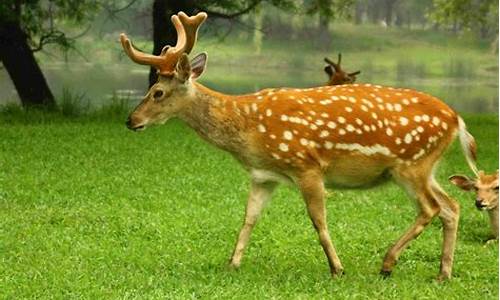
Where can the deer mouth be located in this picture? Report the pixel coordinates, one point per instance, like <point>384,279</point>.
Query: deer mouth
<point>133,127</point>
<point>138,128</point>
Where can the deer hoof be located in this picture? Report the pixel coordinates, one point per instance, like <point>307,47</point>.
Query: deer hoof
<point>232,266</point>
<point>338,273</point>
<point>385,273</point>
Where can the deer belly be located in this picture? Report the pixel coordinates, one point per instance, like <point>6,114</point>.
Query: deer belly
<point>355,173</point>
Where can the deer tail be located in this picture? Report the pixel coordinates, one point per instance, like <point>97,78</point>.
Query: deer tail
<point>468,144</point>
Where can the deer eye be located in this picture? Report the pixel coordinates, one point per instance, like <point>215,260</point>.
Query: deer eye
<point>158,94</point>
<point>496,189</point>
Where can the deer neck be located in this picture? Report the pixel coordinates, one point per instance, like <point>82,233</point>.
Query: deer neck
<point>208,113</point>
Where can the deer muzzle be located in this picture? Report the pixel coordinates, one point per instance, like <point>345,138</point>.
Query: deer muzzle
<point>134,123</point>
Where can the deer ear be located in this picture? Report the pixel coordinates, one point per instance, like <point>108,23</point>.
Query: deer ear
<point>462,182</point>
<point>329,70</point>
<point>183,68</point>
<point>198,65</point>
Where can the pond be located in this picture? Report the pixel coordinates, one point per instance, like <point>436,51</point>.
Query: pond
<point>97,84</point>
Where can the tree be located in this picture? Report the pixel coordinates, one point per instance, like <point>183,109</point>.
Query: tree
<point>480,16</point>
<point>165,34</point>
<point>27,27</point>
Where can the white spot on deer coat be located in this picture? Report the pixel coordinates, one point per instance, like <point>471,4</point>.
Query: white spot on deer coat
<point>319,122</point>
<point>254,107</point>
<point>287,135</point>
<point>324,133</point>
<point>403,121</point>
<point>283,147</point>
<point>435,121</point>
<point>261,128</point>
<point>408,138</point>
<point>366,150</point>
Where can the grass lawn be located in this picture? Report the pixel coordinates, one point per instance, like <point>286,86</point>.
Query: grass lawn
<point>91,210</point>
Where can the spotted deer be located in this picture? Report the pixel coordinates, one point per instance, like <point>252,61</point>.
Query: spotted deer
<point>485,186</point>
<point>337,76</point>
<point>346,135</point>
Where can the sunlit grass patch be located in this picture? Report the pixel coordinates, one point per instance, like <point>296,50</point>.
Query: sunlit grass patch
<point>92,210</point>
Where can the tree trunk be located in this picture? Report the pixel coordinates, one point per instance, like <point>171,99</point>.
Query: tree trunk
<point>389,11</point>
<point>163,30</point>
<point>358,12</point>
<point>20,63</point>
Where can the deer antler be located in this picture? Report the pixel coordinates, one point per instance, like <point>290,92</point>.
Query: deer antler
<point>336,66</point>
<point>187,29</point>
<point>340,76</point>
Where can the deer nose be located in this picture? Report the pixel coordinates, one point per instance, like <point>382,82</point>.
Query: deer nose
<point>479,203</point>
<point>128,123</point>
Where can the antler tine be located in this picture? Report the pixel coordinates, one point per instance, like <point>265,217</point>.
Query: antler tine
<point>339,59</point>
<point>191,25</point>
<point>138,56</point>
<point>186,27</point>
<point>354,73</point>
<point>334,65</point>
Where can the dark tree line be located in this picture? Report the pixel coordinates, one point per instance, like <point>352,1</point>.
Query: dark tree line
<point>27,26</point>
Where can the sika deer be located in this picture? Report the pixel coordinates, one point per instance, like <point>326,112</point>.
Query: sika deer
<point>336,75</point>
<point>347,135</point>
<point>485,187</point>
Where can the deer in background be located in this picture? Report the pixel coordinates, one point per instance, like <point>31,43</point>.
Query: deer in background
<point>485,186</point>
<point>346,135</point>
<point>336,75</point>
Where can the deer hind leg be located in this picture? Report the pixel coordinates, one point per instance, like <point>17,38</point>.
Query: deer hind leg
<point>449,215</point>
<point>259,195</point>
<point>428,208</point>
<point>312,189</point>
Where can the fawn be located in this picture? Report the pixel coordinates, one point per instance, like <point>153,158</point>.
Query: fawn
<point>485,186</point>
<point>345,135</point>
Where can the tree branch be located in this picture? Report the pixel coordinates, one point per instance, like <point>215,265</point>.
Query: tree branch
<point>216,14</point>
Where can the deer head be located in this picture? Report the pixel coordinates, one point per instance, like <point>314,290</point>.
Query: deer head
<point>173,88</point>
<point>336,75</point>
<point>485,186</point>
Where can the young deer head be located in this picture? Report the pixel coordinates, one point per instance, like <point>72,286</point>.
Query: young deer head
<point>485,187</point>
<point>336,75</point>
<point>346,135</point>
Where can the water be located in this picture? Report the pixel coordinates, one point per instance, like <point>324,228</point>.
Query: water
<point>98,84</point>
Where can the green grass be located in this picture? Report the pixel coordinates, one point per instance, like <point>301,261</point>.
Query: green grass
<point>91,210</point>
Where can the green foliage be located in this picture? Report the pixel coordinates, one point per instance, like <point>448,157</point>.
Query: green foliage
<point>470,14</point>
<point>42,21</point>
<point>91,210</point>
<point>72,105</point>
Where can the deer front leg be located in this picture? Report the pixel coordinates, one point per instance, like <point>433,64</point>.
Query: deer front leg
<point>311,186</point>
<point>493,214</point>
<point>259,194</point>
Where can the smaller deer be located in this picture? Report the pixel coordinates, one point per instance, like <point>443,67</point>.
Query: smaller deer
<point>486,188</point>
<point>336,74</point>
